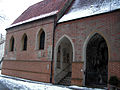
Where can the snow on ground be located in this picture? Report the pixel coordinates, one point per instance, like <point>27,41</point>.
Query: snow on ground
<point>14,83</point>
<point>24,85</point>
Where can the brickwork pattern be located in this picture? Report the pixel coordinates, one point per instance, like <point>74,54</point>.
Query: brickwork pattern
<point>30,64</point>
<point>114,69</point>
<point>107,25</point>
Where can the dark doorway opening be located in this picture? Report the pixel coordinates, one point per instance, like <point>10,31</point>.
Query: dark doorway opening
<point>96,73</point>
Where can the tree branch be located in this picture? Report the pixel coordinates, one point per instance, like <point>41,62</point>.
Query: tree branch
<point>1,17</point>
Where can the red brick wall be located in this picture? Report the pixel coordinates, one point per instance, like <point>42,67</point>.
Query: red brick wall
<point>77,73</point>
<point>107,25</point>
<point>27,64</point>
<point>28,69</point>
<point>114,68</point>
<point>31,31</point>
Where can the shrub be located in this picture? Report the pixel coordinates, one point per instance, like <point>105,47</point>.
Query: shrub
<point>113,80</point>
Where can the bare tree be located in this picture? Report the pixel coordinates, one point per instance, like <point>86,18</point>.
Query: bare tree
<point>2,17</point>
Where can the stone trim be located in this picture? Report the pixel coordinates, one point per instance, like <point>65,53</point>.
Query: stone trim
<point>30,27</point>
<point>25,71</point>
<point>37,39</point>
<point>114,61</point>
<point>79,62</point>
<point>26,61</point>
<point>77,79</point>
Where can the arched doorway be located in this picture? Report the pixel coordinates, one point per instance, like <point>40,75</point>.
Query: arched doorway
<point>96,65</point>
<point>63,61</point>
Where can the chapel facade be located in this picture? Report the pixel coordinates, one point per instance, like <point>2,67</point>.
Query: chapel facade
<point>62,42</point>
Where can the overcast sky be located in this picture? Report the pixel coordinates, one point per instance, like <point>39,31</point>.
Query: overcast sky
<point>11,9</point>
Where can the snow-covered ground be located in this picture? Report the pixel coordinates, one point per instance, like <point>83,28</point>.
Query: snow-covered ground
<point>22,84</point>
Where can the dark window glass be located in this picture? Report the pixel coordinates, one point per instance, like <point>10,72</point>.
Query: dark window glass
<point>25,43</point>
<point>42,40</point>
<point>12,44</point>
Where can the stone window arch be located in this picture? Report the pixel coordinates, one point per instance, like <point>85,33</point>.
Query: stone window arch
<point>41,40</point>
<point>12,42</point>
<point>24,42</point>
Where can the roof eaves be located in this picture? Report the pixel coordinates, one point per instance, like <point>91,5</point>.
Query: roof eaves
<point>87,16</point>
<point>77,11</point>
<point>33,19</point>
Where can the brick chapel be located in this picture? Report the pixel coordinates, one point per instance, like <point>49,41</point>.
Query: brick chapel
<point>68,42</point>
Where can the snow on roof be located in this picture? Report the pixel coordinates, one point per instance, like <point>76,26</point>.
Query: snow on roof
<point>34,18</point>
<point>84,8</point>
<point>39,10</point>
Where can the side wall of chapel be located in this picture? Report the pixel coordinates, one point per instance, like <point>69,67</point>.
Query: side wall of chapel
<point>31,64</point>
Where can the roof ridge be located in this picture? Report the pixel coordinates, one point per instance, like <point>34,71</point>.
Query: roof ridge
<point>39,10</point>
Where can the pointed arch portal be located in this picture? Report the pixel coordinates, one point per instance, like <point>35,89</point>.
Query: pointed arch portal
<point>96,64</point>
<point>63,61</point>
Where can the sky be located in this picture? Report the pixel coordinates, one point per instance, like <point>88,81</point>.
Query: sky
<point>11,10</point>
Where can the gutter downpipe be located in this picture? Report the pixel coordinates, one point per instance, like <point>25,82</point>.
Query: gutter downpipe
<point>55,24</point>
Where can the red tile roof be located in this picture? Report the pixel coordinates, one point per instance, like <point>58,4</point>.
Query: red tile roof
<point>44,7</point>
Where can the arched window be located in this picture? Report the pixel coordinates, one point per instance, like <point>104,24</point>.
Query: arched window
<point>24,42</point>
<point>41,40</point>
<point>12,41</point>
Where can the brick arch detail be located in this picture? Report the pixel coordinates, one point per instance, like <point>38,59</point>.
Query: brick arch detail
<point>58,43</point>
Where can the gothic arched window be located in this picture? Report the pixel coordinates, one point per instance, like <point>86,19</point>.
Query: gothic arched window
<point>42,40</point>
<point>12,41</point>
<point>24,42</point>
